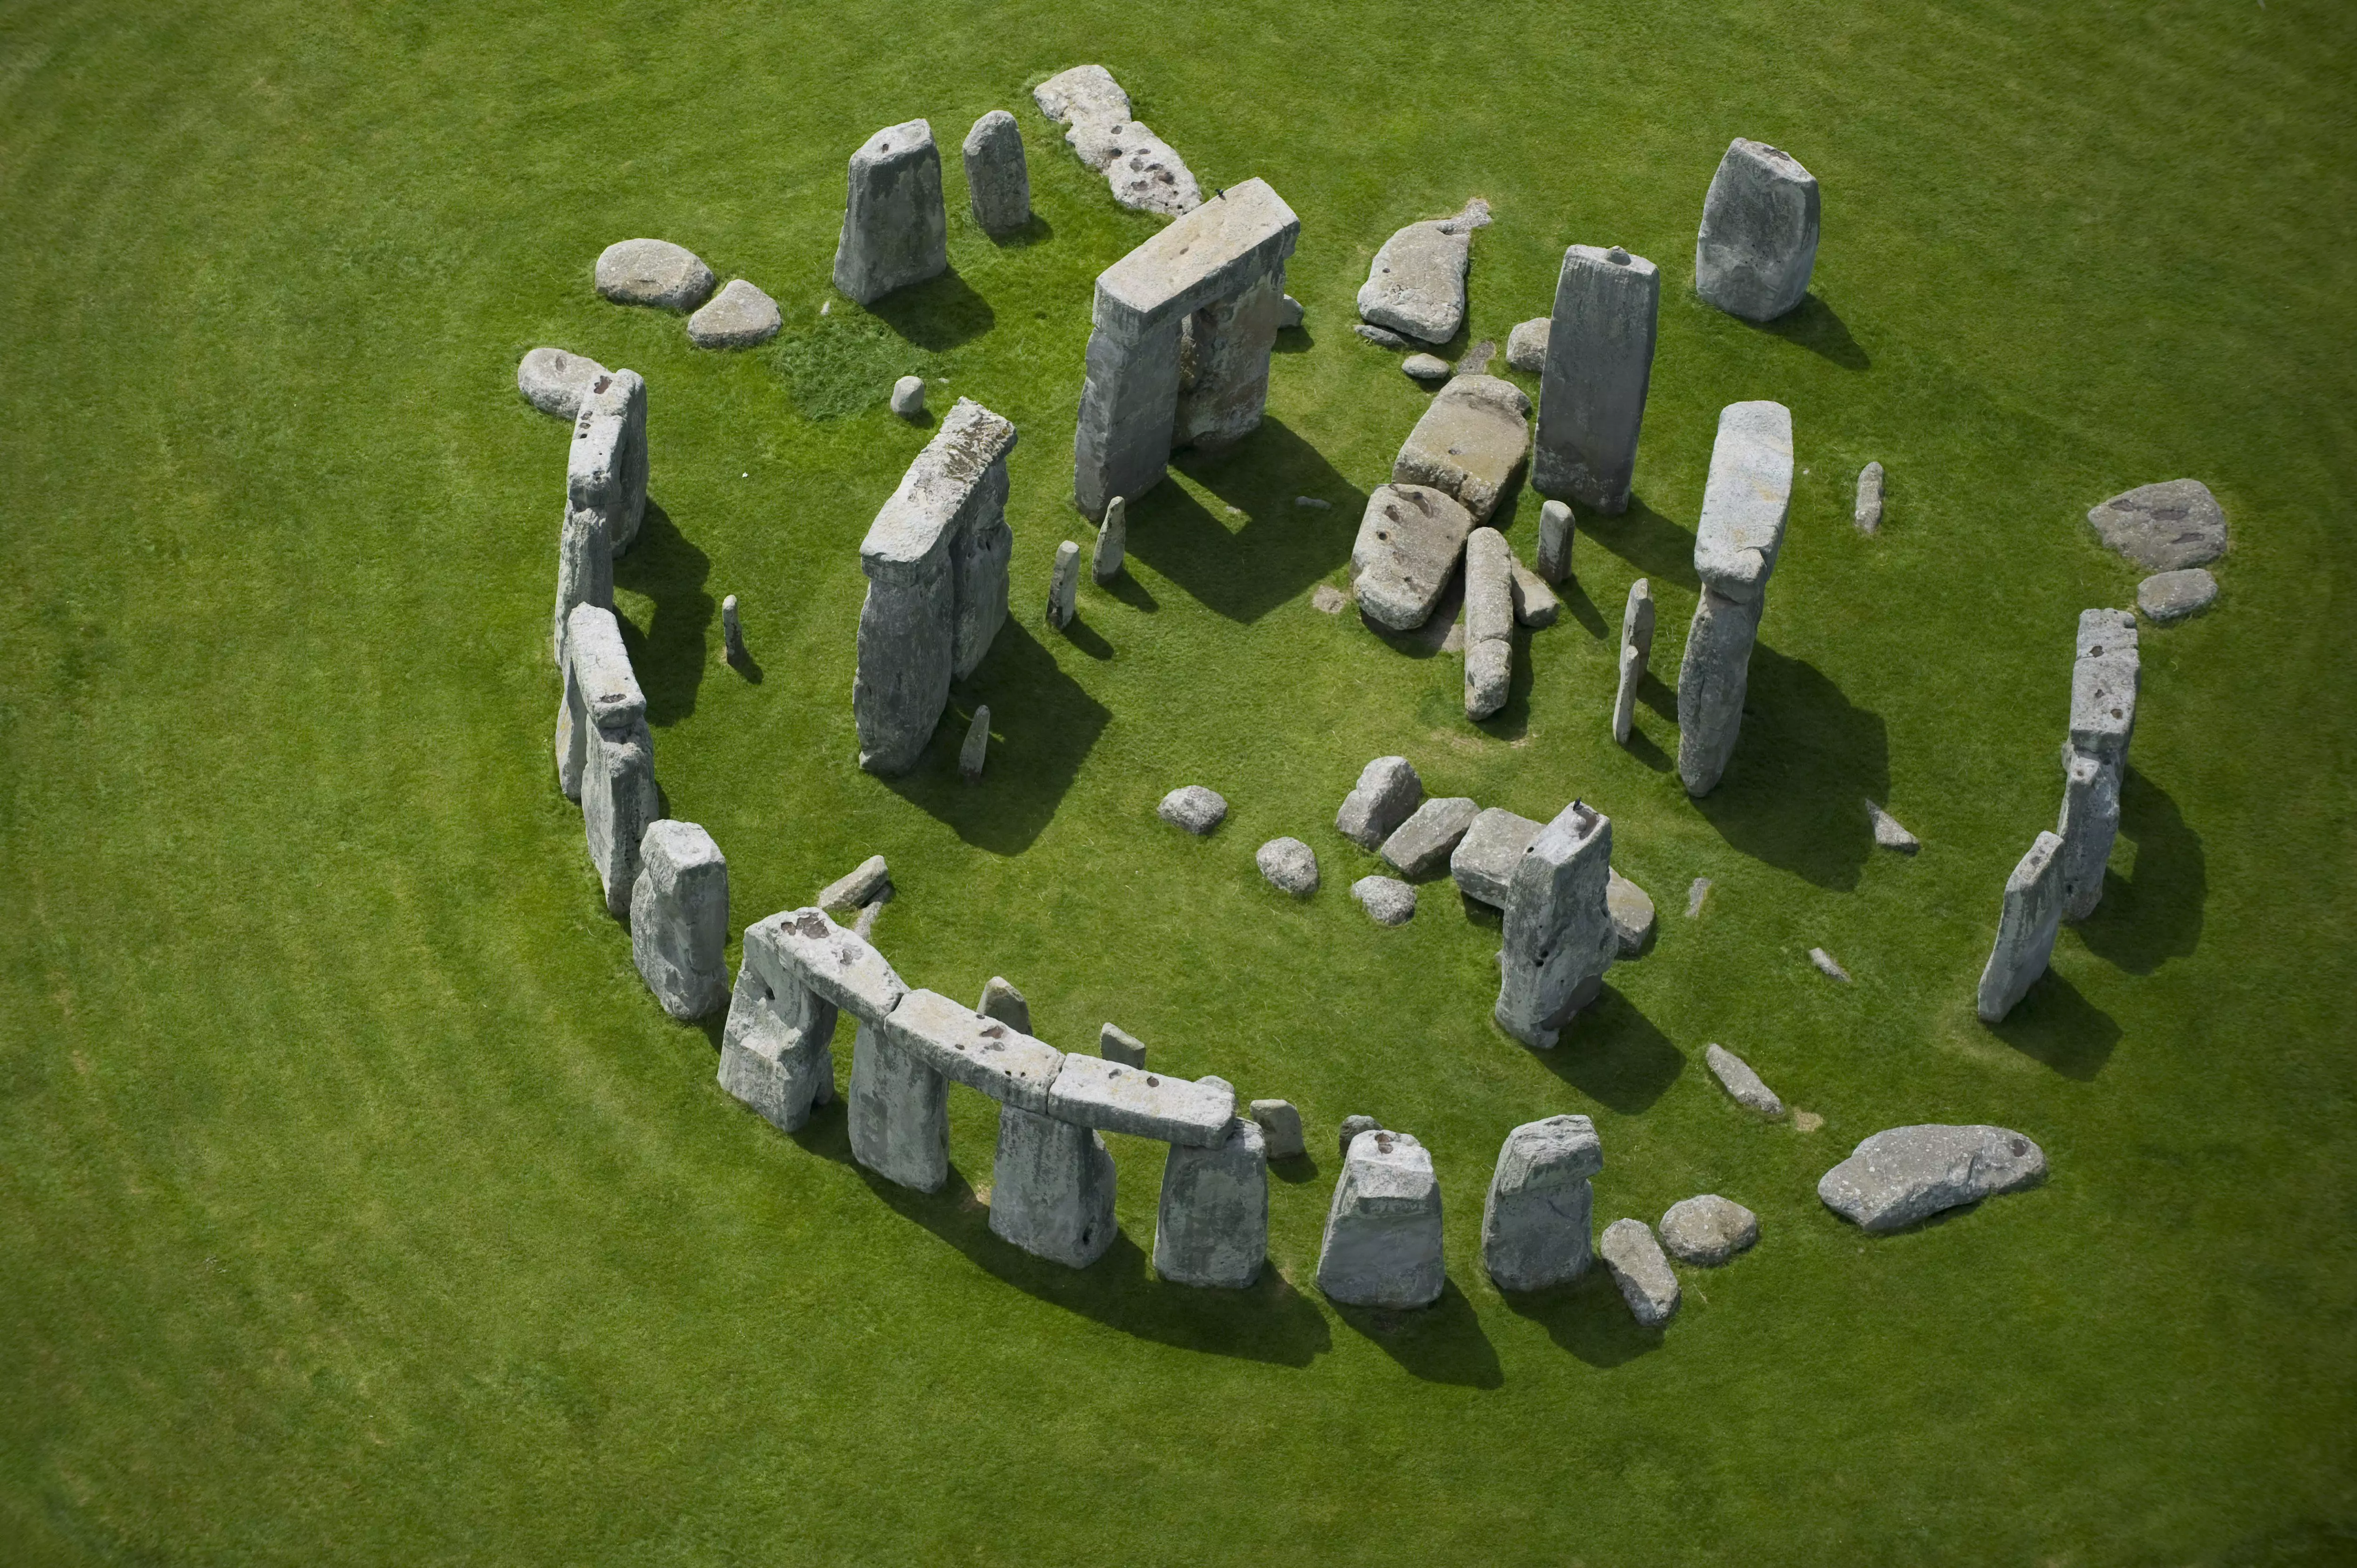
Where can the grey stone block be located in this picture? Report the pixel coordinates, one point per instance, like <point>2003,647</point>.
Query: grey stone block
<point>1888,833</point>
<point>1001,1001</point>
<point>1536,1221</point>
<point>1143,170</point>
<point>1631,909</point>
<point>1212,1227</point>
<point>1469,443</point>
<point>895,232</point>
<point>1351,1127</point>
<point>1624,696</point>
<point>1483,861</point>
<point>2164,527</point>
<point>1526,344</point>
<point>1534,603</point>
<point>1747,500</point>
<point>2169,596</point>
<point>1223,354</point>
<point>1643,1274</point>
<point>2025,932</point>
<point>618,799</point>
<point>584,569</point>
<point>1194,808</point>
<point>976,745</point>
<point>1280,1126</point>
<point>863,884</point>
<point>1712,679</point>
<point>1422,845</point>
<point>1118,1045</point>
<point>1557,536</point>
<point>776,1051</point>
<point>1558,937</point>
<point>1637,618</point>
<point>1906,1174</point>
<point>1599,364</point>
<point>1051,1188</point>
<point>1381,1246</point>
<point>1388,901</point>
<point>899,1113</point>
<point>1734,1076</point>
<point>1489,622</point>
<point>909,397</point>
<point>1424,368</point>
<point>965,1046</point>
<point>1290,865</point>
<point>605,468</point>
<point>1094,1092</point>
<point>600,689</point>
<point>653,271</point>
<point>1476,363</point>
<point>802,947</point>
<point>1409,539</point>
<point>1112,542</point>
<point>1387,791</point>
<point>553,381</point>
<point>1867,513</point>
<point>679,918</point>
<point>997,179</point>
<point>738,317</point>
<point>1415,285</point>
<point>2088,826</point>
<point>1759,236</point>
<point>1708,1230</point>
<point>1064,585</point>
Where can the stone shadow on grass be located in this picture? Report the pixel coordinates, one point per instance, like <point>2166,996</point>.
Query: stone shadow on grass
<point>1442,1343</point>
<point>1588,1318</point>
<point>2056,1024</point>
<point>669,655</point>
<point>1804,761</point>
<point>1814,326</point>
<point>1645,539</point>
<point>1615,1054</point>
<point>1042,725</point>
<point>2140,924</point>
<point>1243,569</point>
<point>937,314</point>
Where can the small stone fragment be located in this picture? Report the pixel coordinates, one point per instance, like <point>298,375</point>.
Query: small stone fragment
<point>1526,344</point>
<point>1064,586</point>
<point>1708,1229</point>
<point>1867,514</point>
<point>2173,596</point>
<point>1632,913</point>
<point>869,882</point>
<point>1388,900</point>
<point>1381,1246</point>
<point>553,381</point>
<point>1143,170</point>
<point>1328,599</point>
<point>1001,1001</point>
<point>1288,314</point>
<point>1092,1091</point>
<point>997,179</point>
<point>1420,846</point>
<point>1555,535</point>
<point>732,632</point>
<point>653,271</point>
<point>977,743</point>
<point>1824,962</point>
<point>1290,865</point>
<point>1387,792</point>
<point>1426,368</point>
<point>1734,1076</point>
<point>1118,1045</point>
<point>1906,1174</point>
<point>1599,363</point>
<point>909,396</point>
<point>1280,1125</point>
<point>738,317</point>
<point>2165,527</point>
<point>1381,337</point>
<point>1534,603</point>
<point>1313,503</point>
<point>1696,892</point>
<point>1646,1282</point>
<point>1194,808</point>
<point>1534,1223</point>
<point>898,1114</point>
<point>1354,1125</point>
<point>1889,833</point>
<point>1406,551</point>
<point>1112,541</point>
<point>1759,235</point>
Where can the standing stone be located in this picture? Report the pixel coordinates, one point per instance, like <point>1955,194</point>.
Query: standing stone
<point>1212,1226</point>
<point>899,1113</point>
<point>1112,542</point>
<point>1381,1246</point>
<point>1555,536</point>
<point>1526,344</point>
<point>1483,861</point>
<point>865,884</point>
<point>1558,937</point>
<point>679,919</point>
<point>1051,1188</point>
<point>1194,808</point>
<point>1489,622</point>
<point>909,397</point>
<point>607,466</point>
<point>1001,1001</point>
<point>1891,833</point>
<point>2025,932</point>
<point>1644,1276</point>
<point>1744,508</point>
<point>1351,1127</point>
<point>1410,538</point>
<point>1231,248</point>
<point>1902,1175</point>
<point>2164,527</point>
<point>777,1051</point>
<point>1064,585</point>
<point>1708,1230</point>
<point>2103,686</point>
<point>936,560</point>
<point>1734,1076</point>
<point>1599,363</point>
<point>1469,443</point>
<point>653,271</point>
<point>1828,966</point>
<point>1118,1045</point>
<point>619,797</point>
<point>998,180</point>
<point>732,632</point>
<point>1415,284</point>
<point>977,743</point>
<point>585,566</point>
<point>1759,235</point>
<point>895,232</point>
<point>1624,701</point>
<point>599,688</point>
<point>1867,512</point>
<point>1421,844</point>
<point>1534,1224</point>
<point>1387,791</point>
<point>553,381</point>
<point>1280,1126</point>
<point>1143,171</point>
<point>738,317</point>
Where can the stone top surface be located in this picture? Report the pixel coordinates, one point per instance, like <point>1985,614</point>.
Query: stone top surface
<point>1573,829</point>
<point>914,521</point>
<point>2107,634</point>
<point>982,1053</point>
<point>671,849</point>
<point>896,144</point>
<point>2042,858</point>
<point>1748,497</point>
<point>1609,259</point>
<point>1772,162</point>
<point>1559,1152</point>
<point>1903,1174</point>
<point>1206,255</point>
<point>839,966</point>
<point>2164,527</point>
<point>2102,703</point>
<point>1390,1173</point>
<point>601,667</point>
<point>1094,1092</point>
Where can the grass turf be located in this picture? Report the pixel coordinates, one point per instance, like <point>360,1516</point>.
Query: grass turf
<point>358,1204</point>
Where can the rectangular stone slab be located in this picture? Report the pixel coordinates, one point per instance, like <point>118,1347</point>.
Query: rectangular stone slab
<point>1469,443</point>
<point>1747,499</point>
<point>1094,1092</point>
<point>980,1053</point>
<point>2103,705</point>
<point>1483,861</point>
<point>1219,249</point>
<point>806,948</point>
<point>931,501</point>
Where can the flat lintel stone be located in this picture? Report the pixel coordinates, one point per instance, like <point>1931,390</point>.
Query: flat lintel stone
<point>1090,1091</point>
<point>839,966</point>
<point>1217,250</point>
<point>980,1053</point>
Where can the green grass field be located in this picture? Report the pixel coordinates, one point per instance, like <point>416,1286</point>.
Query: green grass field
<point>358,1205</point>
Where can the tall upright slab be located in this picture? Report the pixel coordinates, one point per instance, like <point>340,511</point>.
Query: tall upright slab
<point>895,232</point>
<point>1758,242</point>
<point>1212,1227</point>
<point>1744,508</point>
<point>2025,932</point>
<point>1599,364</point>
<point>1051,1188</point>
<point>2104,685</point>
<point>606,468</point>
<point>602,731</point>
<point>1558,937</point>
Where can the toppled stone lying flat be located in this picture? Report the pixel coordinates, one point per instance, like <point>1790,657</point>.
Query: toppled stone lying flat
<point>1421,845</point>
<point>1469,442</point>
<point>1194,808</point>
<point>1090,1091</point>
<point>1759,236</point>
<point>1708,1229</point>
<point>1888,832</point>
<point>1632,913</point>
<point>553,381</point>
<point>1381,1246</point>
<point>1410,538</point>
<point>1644,1276</point>
<point>1742,1084</point>
<point>653,271</point>
<point>839,966</point>
<point>1143,170</point>
<point>1534,603</point>
<point>1388,901</point>
<point>1328,600</point>
<point>738,317</point>
<point>1424,368</point>
<point>1387,792</point>
<point>1415,284</point>
<point>1536,1221</point>
<point>2169,596</point>
<point>1381,337</point>
<point>1906,1174</point>
<point>1483,861</point>
<point>2164,527</point>
<point>1526,344</point>
<point>869,880</point>
<point>1116,1044</point>
<point>1477,359</point>
<point>1280,1125</point>
<point>1827,966</point>
<point>980,1053</point>
<point>1051,1188</point>
<point>1290,865</point>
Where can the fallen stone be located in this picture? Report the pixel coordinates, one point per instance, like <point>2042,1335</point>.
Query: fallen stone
<point>1354,1125</point>
<point>1734,1076</point>
<point>1556,533</point>
<point>1469,443</point>
<point>899,1116</point>
<point>1280,1126</point>
<point>1888,832</point>
<point>1534,603</point>
<point>1421,847</point>
<point>1483,861</point>
<point>1696,892</point>
<point>776,1051</point>
<point>1381,337</point>
<point>1381,1246</point>
<point>1064,585</point>
<point>1906,1174</point>
<point>1388,901</point>
<point>1290,865</point>
<point>679,919</point>
<point>1328,599</point>
<point>738,317</point>
<point>983,1053</point>
<point>2165,527</point>
<point>1212,1227</point>
<point>1051,1188</point>
<point>1476,360</point>
<point>1489,622</point>
<point>1536,1221</point>
<point>1112,541</point>
<point>1001,1001</point>
<point>1868,511</point>
<point>1409,541</point>
<point>1416,282</point>
<point>1646,1282</point>
<point>653,271</point>
<point>1094,1092</point>
<point>1387,791</point>
<point>1759,236</point>
<point>895,230</point>
<point>977,747</point>
<point>2172,595</point>
<point>868,881</point>
<point>1118,1045</point>
<point>553,381</point>
<point>1288,314</point>
<point>1558,937</point>
<point>1426,368</point>
<point>1143,170</point>
<point>909,396</point>
<point>1599,365</point>
<point>1631,911</point>
<point>1708,1230</point>
<point>802,947</point>
<point>1825,966</point>
<point>732,632</point>
<point>2025,932</point>
<point>1526,344</point>
<point>997,179</point>
<point>1194,808</point>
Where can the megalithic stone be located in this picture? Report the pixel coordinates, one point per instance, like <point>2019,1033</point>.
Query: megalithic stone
<point>2089,823</point>
<point>1212,1226</point>
<point>1745,506</point>
<point>1536,1222</point>
<point>1112,541</point>
<point>1489,622</point>
<point>1001,1001</point>
<point>2103,687</point>
<point>585,565</point>
<point>599,688</point>
<point>679,918</point>
<point>732,631</point>
<point>1637,620</point>
<point>1558,935</point>
<point>1599,363</point>
<point>2025,932</point>
<point>604,724</point>
<point>1759,235</point>
<point>777,1050</point>
<point>1381,1246</point>
<point>1051,1188</point>
<point>895,232</point>
<point>1064,585</point>
<point>1557,534</point>
<point>977,742</point>
<point>1624,699</point>
<point>607,466</point>
<point>1712,680</point>
<point>997,179</point>
<point>899,1113</point>
<point>1230,249</point>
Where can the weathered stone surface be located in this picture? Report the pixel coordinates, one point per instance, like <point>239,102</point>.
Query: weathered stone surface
<point>1535,604</point>
<point>2164,527</point>
<point>553,381</point>
<point>1624,696</point>
<point>1064,585</point>
<point>1421,845</point>
<point>1526,344</point>
<point>966,1047</point>
<point>1906,1174</point>
<point>1712,679</point>
<point>1708,1230</point>
<point>2102,704</point>
<point>1469,443</point>
<point>895,230</point>
<point>599,689</point>
<point>1631,909</point>
<point>1094,1092</point>
<point>1827,966</point>
<point>899,1113</point>
<point>1476,360</point>
<point>863,884</point>
<point>619,797</point>
<point>1643,1274</point>
<point>738,317</point>
<point>1001,1001</point>
<point>2172,595</point>
<point>1288,314</point>
<point>1290,865</point>
<point>1489,622</point>
<point>1328,599</point>
<point>1409,539</point>
<point>1424,368</point>
<point>1483,861</point>
<point>1381,1246</point>
<point>1143,170</point>
<point>1280,1126</point>
<point>1534,1223</point>
<point>776,1051</point>
<point>1747,499</point>
<point>653,271</point>
<point>936,560</point>
<point>1637,618</point>
<point>2088,826</point>
<point>802,947</point>
<point>679,918</point>
<point>1699,890</point>
<point>976,745</point>
<point>2025,932</point>
<point>997,179</point>
<point>1387,791</point>
<point>1388,901</point>
<point>1867,513</point>
<point>1116,1044</point>
<point>1734,1076</point>
<point>909,397</point>
<point>1212,1226</point>
<point>1051,1188</point>
<point>1381,337</point>
<point>1194,808</point>
<point>1223,358</point>
<point>1889,833</point>
<point>1351,1127</point>
<point>585,571</point>
<point>605,468</point>
<point>1759,236</point>
<point>1112,541</point>
<point>1416,283</point>
<point>1556,535</point>
<point>1599,365</point>
<point>732,632</point>
<point>1558,937</point>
